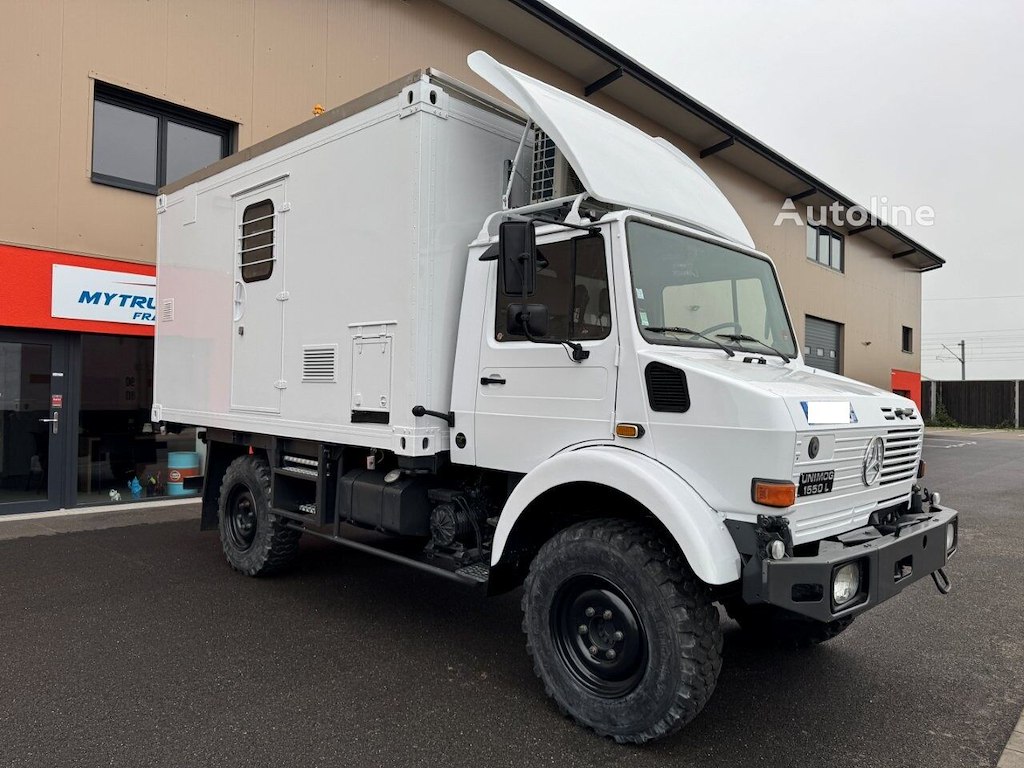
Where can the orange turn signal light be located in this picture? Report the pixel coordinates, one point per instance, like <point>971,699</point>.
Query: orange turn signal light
<point>629,430</point>
<point>773,493</point>
<point>921,467</point>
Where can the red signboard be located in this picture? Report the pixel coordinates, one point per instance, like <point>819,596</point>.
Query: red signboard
<point>26,290</point>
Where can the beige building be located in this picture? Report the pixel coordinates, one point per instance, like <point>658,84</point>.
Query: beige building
<point>122,97</point>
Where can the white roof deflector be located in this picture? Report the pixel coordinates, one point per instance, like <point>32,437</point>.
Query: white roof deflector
<point>616,161</point>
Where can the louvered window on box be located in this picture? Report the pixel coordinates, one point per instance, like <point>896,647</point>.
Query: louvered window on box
<point>666,388</point>
<point>319,362</point>
<point>256,243</point>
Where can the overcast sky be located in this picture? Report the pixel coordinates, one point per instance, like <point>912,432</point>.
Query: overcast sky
<point>920,101</point>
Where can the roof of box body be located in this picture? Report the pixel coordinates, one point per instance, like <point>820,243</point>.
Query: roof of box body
<point>540,29</point>
<point>377,96</point>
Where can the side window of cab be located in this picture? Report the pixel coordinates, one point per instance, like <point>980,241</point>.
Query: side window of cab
<point>572,282</point>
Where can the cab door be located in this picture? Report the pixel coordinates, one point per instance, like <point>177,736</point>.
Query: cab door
<point>259,297</point>
<point>533,400</point>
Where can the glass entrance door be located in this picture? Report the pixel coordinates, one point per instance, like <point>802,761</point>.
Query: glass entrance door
<point>33,452</point>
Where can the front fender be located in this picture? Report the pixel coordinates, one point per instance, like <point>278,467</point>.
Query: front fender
<point>697,528</point>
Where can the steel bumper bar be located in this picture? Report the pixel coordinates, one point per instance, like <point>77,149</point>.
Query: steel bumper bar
<point>889,562</point>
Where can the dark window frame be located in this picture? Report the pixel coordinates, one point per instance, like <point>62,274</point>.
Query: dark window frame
<point>262,268</point>
<point>907,340</point>
<point>500,334</point>
<point>164,112</point>
<point>833,237</point>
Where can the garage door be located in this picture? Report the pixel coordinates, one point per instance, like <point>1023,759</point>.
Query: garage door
<point>821,344</point>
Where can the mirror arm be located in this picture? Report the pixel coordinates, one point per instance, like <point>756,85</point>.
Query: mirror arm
<point>578,353</point>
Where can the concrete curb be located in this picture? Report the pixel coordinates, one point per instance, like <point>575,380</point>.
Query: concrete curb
<point>1013,752</point>
<point>96,518</point>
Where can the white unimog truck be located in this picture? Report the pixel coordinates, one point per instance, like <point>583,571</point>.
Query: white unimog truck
<point>600,398</point>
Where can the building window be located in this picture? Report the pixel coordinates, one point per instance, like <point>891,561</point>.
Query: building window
<point>573,285</point>
<point>141,143</point>
<point>825,247</point>
<point>257,241</point>
<point>908,339</point>
<point>122,456</point>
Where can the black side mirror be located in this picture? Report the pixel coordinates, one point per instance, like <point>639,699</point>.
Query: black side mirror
<point>530,320</point>
<point>517,246</point>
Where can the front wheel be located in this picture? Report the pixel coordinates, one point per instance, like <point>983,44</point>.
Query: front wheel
<point>622,633</point>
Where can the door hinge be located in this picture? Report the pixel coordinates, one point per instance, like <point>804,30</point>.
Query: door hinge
<point>283,296</point>
<point>281,384</point>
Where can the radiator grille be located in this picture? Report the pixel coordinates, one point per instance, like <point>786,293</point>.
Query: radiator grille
<point>319,362</point>
<point>902,451</point>
<point>666,388</point>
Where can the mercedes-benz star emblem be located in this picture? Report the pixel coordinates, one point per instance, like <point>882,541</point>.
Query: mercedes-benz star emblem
<point>873,458</point>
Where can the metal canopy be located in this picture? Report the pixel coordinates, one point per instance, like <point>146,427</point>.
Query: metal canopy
<point>540,29</point>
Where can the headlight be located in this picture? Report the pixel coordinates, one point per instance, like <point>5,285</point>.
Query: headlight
<point>845,583</point>
<point>950,536</point>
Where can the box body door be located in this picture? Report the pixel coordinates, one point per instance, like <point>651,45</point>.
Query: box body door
<point>259,299</point>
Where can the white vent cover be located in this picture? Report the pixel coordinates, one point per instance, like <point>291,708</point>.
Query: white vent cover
<point>319,362</point>
<point>166,310</point>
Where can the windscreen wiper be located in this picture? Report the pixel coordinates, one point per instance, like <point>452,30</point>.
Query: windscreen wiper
<point>677,329</point>
<point>745,337</point>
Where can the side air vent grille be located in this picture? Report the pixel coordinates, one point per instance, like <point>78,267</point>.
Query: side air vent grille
<point>319,362</point>
<point>551,175</point>
<point>666,388</point>
<point>166,310</point>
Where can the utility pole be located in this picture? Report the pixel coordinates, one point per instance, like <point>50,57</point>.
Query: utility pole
<point>962,357</point>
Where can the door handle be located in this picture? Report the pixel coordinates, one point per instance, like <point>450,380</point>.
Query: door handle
<point>55,421</point>
<point>492,379</point>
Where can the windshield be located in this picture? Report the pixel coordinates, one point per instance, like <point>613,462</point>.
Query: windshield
<point>685,283</point>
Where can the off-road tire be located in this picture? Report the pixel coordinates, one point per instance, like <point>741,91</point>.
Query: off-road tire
<point>677,618</point>
<point>267,546</point>
<point>782,628</point>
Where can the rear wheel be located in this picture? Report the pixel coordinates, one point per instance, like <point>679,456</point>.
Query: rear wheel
<point>254,539</point>
<point>780,627</point>
<point>622,633</point>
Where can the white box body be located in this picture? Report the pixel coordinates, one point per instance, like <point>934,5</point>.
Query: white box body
<point>357,321</point>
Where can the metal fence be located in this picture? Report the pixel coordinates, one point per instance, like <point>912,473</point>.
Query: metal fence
<point>975,403</point>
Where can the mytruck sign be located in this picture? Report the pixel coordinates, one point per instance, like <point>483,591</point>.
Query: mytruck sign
<point>97,294</point>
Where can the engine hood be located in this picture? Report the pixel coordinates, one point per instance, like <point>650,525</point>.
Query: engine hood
<point>747,420</point>
<point>616,161</point>
<point>798,385</point>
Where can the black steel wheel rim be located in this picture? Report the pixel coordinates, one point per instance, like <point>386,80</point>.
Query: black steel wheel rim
<point>599,636</point>
<point>241,518</point>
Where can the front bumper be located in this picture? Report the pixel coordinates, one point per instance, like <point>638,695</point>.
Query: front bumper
<point>889,562</point>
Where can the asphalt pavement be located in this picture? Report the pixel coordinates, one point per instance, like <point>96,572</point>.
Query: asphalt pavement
<point>138,646</point>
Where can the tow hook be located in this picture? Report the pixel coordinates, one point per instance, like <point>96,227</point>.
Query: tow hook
<point>941,580</point>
